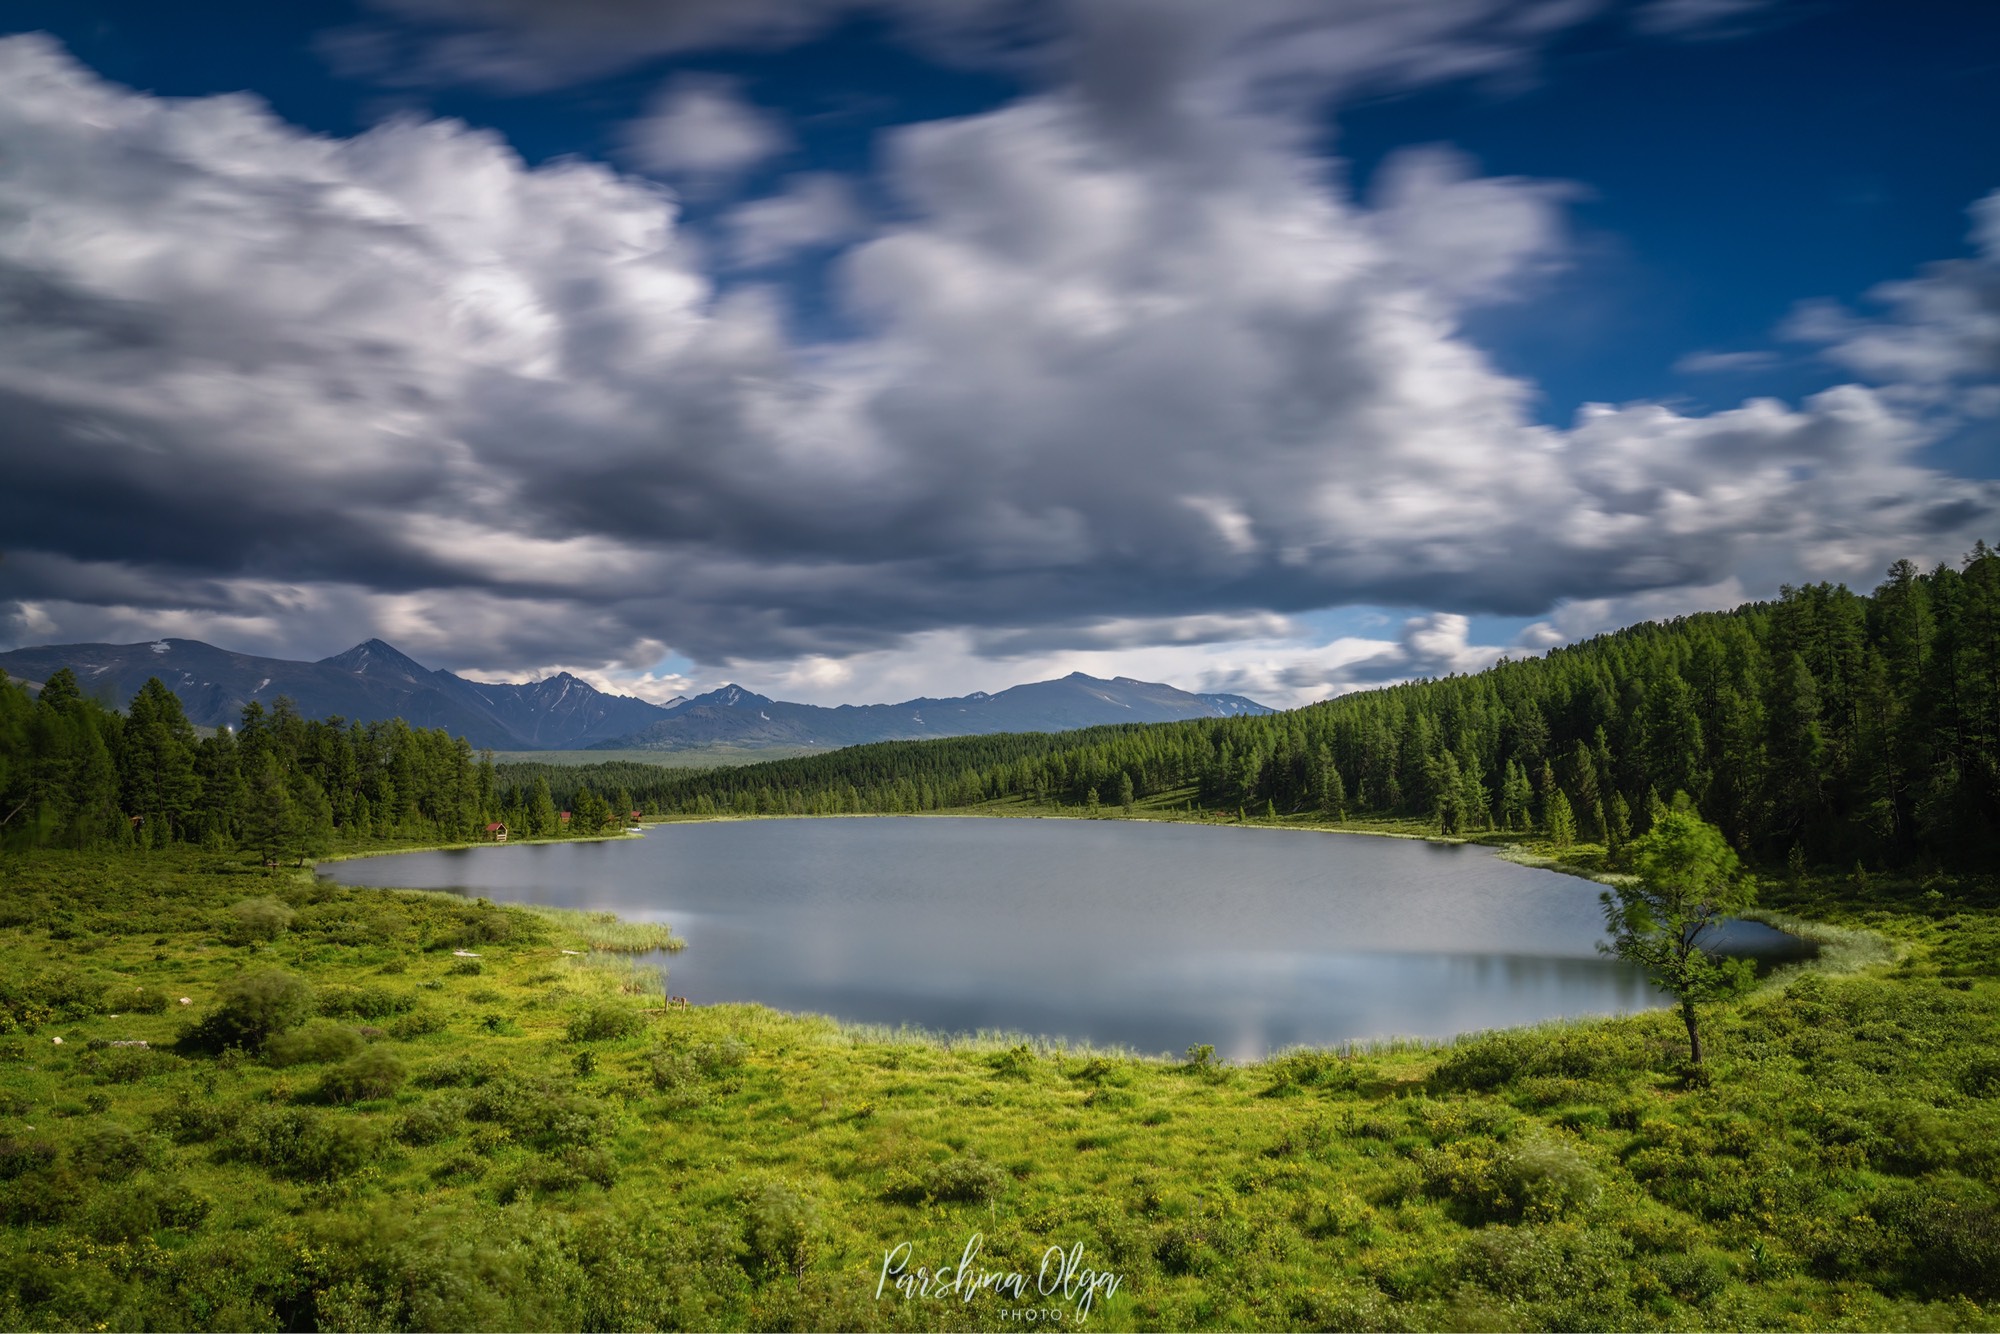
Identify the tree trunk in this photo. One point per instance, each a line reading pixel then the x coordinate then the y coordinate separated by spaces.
pixel 1694 1033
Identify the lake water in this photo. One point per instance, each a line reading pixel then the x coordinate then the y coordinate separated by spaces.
pixel 1149 936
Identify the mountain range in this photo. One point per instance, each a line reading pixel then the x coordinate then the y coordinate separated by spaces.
pixel 374 680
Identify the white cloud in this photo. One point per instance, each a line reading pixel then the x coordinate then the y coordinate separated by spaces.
pixel 697 127
pixel 1939 328
pixel 814 211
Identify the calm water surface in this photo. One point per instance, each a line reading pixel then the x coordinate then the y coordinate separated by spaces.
pixel 1151 936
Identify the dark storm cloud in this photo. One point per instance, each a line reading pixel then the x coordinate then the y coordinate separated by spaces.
pixel 1110 396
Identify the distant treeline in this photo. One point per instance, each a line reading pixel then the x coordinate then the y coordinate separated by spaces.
pixel 1828 726
pixel 76 774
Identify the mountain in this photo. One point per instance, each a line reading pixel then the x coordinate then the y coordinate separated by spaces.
pixel 376 680
pixel 738 717
pixel 369 681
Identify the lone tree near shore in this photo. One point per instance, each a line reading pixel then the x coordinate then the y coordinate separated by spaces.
pixel 1687 882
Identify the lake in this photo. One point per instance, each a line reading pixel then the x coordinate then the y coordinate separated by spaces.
pixel 1118 933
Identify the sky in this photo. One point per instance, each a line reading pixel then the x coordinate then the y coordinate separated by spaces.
pixel 855 350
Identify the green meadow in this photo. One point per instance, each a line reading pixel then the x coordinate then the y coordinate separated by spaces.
pixel 383 1109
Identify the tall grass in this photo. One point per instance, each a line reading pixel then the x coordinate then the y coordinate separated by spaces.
pixel 611 933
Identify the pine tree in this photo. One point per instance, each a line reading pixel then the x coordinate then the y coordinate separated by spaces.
pixel 1561 821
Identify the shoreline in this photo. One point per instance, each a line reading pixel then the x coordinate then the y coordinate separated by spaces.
pixel 1842 951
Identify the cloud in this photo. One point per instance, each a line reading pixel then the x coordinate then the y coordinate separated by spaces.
pixel 1109 402
pixel 815 210
pixel 1725 363
pixel 1697 18
pixel 1472 239
pixel 1939 329
pixel 698 128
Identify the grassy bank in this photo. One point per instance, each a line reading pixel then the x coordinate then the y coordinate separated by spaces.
pixel 459 1124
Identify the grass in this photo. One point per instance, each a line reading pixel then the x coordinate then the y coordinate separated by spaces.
pixel 531 1138
pixel 608 931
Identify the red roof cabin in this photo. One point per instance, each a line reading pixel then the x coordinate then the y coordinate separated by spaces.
pixel 497 832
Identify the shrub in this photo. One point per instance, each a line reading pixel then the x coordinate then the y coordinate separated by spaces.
pixel 1953 1229
pixel 781 1227
pixel 315 1044
pixel 113 1153
pixel 964 1178
pixel 1017 1062
pixel 456 1072
pixel 21 1156
pixel 430 1122
pixel 1543 1179
pixel 258 919
pixel 537 1111
pixel 128 1065
pixel 464 968
pixel 1309 1070
pixel 253 1007
pixel 136 1000
pixel 603 1022
pixel 684 1070
pixel 191 1123
pixel 373 1074
pixel 1558 1263
pixel 303 1144
pixel 420 1024
pixel 569 1170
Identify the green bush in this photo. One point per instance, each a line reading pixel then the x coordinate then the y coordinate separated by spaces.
pixel 365 1002
pixel 136 1000
pixel 258 919
pixel 195 1123
pixel 456 1072
pixel 571 1169
pixel 539 1112
pixel 963 1178
pixel 430 1122
pixel 1952 1226
pixel 1299 1070
pixel 603 1022
pixel 317 1043
pixel 1543 1179
pixel 128 1065
pixel 303 1144
pixel 419 1024
pixel 781 1227
pixel 252 1008
pixel 113 1153
pixel 19 1156
pixel 373 1074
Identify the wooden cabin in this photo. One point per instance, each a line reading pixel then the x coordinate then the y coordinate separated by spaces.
pixel 496 832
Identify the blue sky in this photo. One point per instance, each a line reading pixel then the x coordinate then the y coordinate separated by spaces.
pixel 938 346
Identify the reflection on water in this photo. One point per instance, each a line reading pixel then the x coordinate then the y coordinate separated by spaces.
pixel 1152 936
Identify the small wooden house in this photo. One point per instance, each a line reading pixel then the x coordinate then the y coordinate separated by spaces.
pixel 496 832
pixel 563 818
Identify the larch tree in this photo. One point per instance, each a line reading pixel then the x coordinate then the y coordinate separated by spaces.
pixel 1667 918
